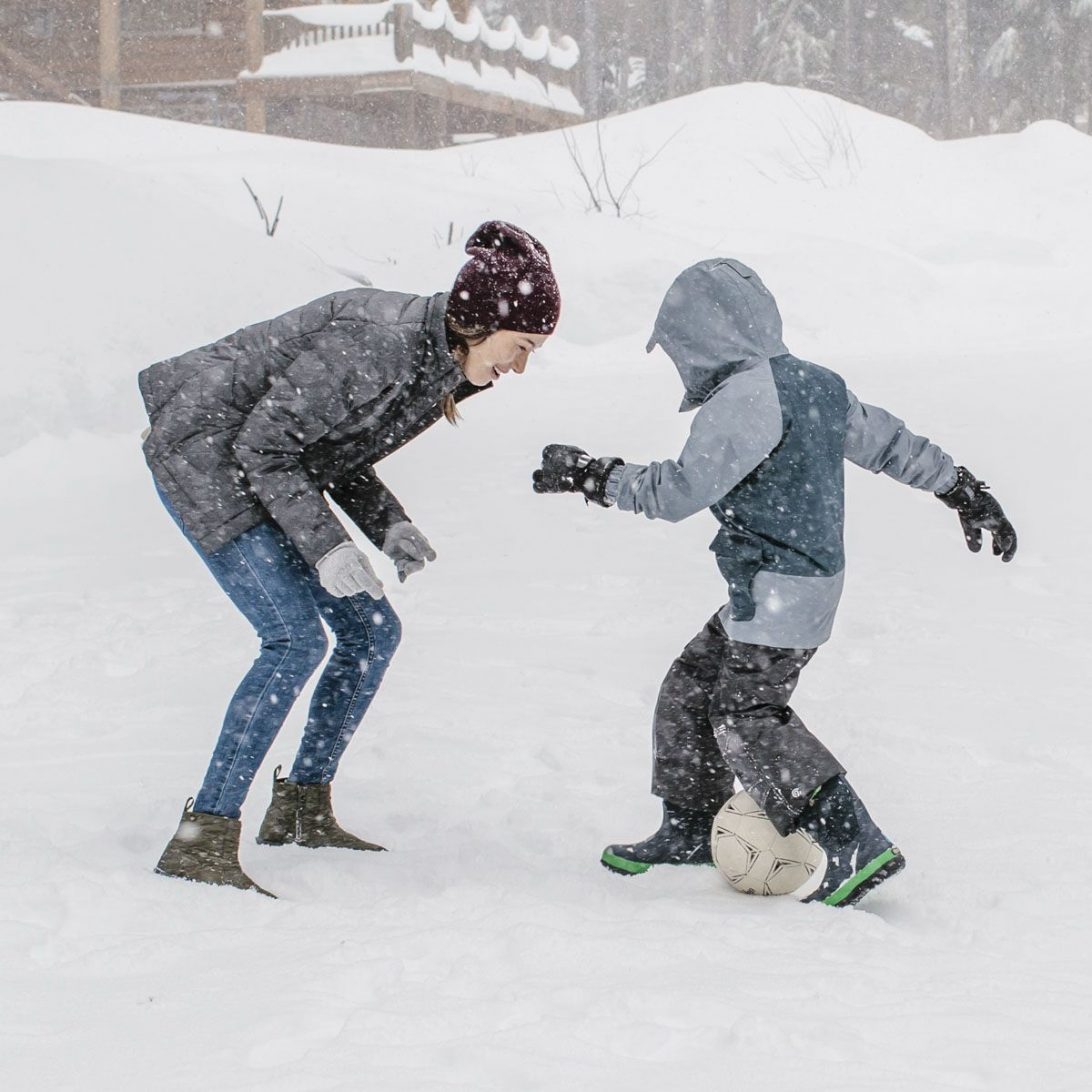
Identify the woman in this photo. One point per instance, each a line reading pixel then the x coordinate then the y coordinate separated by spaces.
pixel 246 436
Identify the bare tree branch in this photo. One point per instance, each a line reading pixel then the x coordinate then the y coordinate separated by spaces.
pixel 578 163
pixel 270 227
pixel 647 163
pixel 603 168
pixel 602 192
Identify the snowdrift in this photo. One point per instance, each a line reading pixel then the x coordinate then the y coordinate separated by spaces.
pixel 947 281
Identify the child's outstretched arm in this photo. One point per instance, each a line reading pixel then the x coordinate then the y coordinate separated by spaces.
pixel 732 433
pixel 880 442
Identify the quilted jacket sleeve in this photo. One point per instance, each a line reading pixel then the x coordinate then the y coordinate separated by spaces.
pixel 369 504
pixel 317 393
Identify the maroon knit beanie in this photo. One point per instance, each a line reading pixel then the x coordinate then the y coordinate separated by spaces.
pixel 507 284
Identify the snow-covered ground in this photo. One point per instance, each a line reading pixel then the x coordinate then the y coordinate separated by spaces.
pixel 489 950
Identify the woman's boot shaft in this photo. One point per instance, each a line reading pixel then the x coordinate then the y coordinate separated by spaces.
pixel 303 813
pixel 205 849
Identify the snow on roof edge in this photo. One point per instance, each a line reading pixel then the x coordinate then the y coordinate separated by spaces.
pixel 539 46
pixel 372 55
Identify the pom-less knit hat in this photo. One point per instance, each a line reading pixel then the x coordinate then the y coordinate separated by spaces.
pixel 507 284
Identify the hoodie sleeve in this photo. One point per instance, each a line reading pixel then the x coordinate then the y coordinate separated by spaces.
pixel 739 425
pixel 880 442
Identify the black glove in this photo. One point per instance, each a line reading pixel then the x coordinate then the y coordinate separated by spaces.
pixel 567 469
pixel 978 512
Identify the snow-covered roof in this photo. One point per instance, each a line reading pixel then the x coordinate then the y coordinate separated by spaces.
pixel 563 54
pixel 358 40
pixel 370 56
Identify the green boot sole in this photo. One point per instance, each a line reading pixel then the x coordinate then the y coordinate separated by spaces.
pixel 621 865
pixel 866 879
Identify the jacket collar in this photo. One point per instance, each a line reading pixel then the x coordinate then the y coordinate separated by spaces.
pixel 447 367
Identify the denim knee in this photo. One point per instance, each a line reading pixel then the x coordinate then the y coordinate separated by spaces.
pixel 391 630
pixel 300 650
pixel 387 631
pixel 373 634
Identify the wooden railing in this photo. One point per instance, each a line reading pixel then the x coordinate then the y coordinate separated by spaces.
pixel 411 23
pixel 288 32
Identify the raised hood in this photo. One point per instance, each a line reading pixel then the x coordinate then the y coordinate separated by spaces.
pixel 717 318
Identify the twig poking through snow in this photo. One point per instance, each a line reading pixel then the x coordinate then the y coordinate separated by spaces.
pixel 601 193
pixel 270 228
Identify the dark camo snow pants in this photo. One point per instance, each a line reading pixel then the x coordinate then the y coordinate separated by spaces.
pixel 723 712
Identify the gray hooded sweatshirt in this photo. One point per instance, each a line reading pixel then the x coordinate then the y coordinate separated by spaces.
pixel 765 455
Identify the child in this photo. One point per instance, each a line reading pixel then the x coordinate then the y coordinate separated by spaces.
pixel 765 456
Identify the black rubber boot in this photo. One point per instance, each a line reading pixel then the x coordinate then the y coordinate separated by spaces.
pixel 205 849
pixel 859 855
pixel 303 814
pixel 683 838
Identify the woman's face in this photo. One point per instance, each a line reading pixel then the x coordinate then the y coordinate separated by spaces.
pixel 500 353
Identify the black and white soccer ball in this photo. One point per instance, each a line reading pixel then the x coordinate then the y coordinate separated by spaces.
pixel 755 859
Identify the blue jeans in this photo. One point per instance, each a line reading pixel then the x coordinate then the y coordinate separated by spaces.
pixel 266 577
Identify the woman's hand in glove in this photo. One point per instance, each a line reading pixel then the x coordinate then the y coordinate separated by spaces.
pixel 345 571
pixel 407 548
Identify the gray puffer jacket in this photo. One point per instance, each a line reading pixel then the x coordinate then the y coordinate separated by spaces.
pixel 765 455
pixel 261 423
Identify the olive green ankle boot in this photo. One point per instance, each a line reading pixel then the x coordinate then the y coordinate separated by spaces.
pixel 205 849
pixel 303 814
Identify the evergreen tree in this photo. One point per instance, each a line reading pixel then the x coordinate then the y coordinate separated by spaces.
pixel 950 66
pixel 1035 60
pixel 899 57
pixel 794 43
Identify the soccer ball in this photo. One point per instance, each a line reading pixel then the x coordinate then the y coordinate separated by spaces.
pixel 755 859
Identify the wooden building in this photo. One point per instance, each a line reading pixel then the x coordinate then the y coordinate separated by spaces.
pixel 400 73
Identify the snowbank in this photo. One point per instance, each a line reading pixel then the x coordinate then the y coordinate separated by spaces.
pixel 488 950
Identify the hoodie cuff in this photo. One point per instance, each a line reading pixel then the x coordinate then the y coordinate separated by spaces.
pixel 614 484
pixel 948 482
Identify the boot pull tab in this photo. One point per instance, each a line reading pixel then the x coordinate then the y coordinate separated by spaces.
pixel 277 774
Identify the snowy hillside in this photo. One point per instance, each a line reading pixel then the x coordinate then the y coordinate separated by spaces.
pixel 489 950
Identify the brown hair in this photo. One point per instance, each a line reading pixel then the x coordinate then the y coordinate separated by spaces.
pixel 459 340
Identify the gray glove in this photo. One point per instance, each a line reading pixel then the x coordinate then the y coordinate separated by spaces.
pixel 407 548
pixel 345 571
